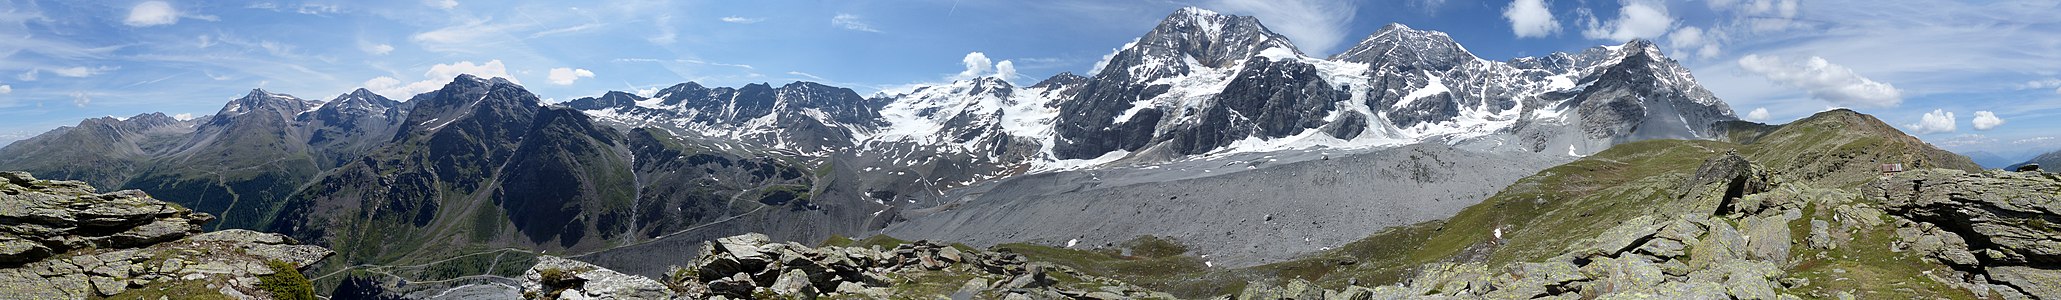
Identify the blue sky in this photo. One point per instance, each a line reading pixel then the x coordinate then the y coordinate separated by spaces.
pixel 1964 75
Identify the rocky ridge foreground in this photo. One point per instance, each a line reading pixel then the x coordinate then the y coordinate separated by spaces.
pixel 63 240
pixel 2000 231
pixel 1990 235
pixel 751 266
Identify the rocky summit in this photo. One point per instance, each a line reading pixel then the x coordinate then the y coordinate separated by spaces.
pixel 63 240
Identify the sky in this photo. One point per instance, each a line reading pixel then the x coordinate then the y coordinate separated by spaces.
pixel 1964 75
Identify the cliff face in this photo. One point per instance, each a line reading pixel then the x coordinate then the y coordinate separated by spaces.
pixel 63 240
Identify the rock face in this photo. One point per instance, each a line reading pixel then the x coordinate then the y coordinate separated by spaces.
pixel 2002 224
pixel 750 266
pixel 63 240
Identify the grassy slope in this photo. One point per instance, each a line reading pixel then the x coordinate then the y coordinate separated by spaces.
pixel 1542 214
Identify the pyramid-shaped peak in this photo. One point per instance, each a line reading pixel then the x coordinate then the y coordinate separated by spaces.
pixel 259 93
pixel 1196 11
pixel 1400 45
pixel 1194 37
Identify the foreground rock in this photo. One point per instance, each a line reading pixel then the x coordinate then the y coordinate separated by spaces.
pixel 2002 230
pixel 63 240
pixel 753 267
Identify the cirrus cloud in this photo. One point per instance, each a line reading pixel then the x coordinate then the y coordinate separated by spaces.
pixel 852 22
pixel 157 13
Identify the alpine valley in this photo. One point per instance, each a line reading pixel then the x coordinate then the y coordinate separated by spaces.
pixel 1209 157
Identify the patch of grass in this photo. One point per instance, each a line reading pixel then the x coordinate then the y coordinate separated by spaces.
pixel 927 283
pixel 1173 273
pixel 285 282
pixel 1866 267
pixel 1150 246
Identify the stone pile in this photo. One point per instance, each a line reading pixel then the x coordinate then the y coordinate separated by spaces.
pixel 751 266
pixel 63 240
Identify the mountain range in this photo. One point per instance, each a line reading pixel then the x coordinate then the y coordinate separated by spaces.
pixel 483 164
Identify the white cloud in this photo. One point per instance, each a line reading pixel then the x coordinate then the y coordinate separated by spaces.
pixel 444 4
pixel 29 75
pixel 1006 70
pixel 1986 120
pixel 318 9
pixel 1761 15
pixel 152 13
pixel 977 65
pixel 436 77
pixel 1314 25
pixel 6 89
pixel 804 74
pixel 376 49
pixel 1758 115
pixel 183 116
pixel 77 72
pixel 741 20
pixel 1531 18
pixel 1825 81
pixel 1636 20
pixel 1936 121
pixel 851 21
pixel 1693 40
pixel 2041 84
pixel 566 76
pixel 80 99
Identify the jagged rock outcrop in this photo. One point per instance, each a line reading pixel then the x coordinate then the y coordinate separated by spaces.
pixel 751 266
pixel 2002 228
pixel 63 240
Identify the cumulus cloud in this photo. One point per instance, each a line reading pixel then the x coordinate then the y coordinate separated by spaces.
pixel 1693 40
pixel 1314 25
pixel 6 89
pixel 436 77
pixel 741 20
pixel 1986 120
pixel 152 13
pixel 1636 20
pixel 566 76
pixel 183 116
pixel 80 99
pixel 1006 70
pixel 1824 81
pixel 1531 18
pixel 1937 121
pixel 977 65
pixel 1758 115
pixel 852 22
